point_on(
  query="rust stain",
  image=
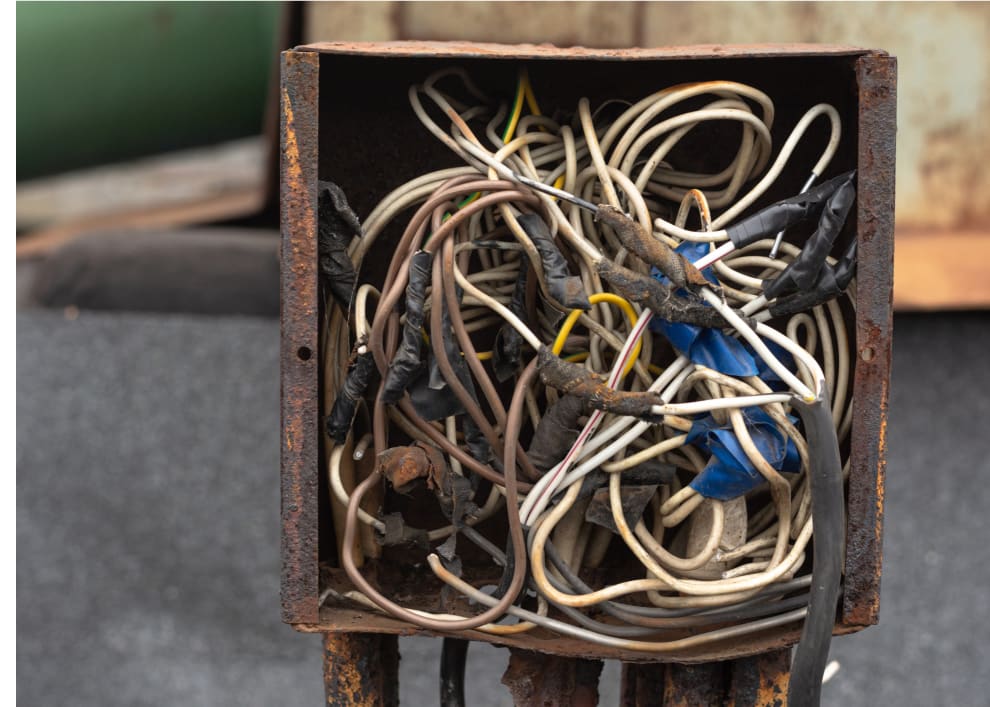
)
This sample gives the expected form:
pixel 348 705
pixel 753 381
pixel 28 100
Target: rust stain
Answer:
pixel 876 77
pixel 538 680
pixel 654 251
pixel 300 433
pixel 694 685
pixel 291 145
pixel 760 681
pixel 953 175
pixel 361 670
pixel 403 465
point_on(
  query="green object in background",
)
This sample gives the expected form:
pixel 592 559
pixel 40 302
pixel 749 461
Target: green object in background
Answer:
pixel 103 82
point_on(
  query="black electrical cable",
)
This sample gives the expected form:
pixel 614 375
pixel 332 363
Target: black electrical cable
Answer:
pixel 453 661
pixel 828 517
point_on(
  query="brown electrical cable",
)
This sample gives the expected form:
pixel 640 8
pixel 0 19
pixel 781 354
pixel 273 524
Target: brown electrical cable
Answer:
pixel 395 278
pixel 515 532
pixel 449 190
pixel 443 284
pixel 392 292
pixel 380 427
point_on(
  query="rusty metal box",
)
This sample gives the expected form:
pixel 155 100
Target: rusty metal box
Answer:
pixel 340 103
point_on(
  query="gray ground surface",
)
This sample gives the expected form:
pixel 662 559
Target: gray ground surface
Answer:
pixel 147 526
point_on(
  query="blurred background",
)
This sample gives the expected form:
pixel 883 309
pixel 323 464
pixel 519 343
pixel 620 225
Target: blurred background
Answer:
pixel 147 296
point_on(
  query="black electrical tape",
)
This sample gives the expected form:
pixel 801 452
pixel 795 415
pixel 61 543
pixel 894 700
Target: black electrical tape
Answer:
pixel 803 272
pixel 345 406
pixel 649 472
pixel 567 289
pixel 434 404
pixel 452 349
pixel 338 224
pixel 476 443
pixel 845 270
pixel 785 213
pixel 828 519
pixel 407 361
pixel 556 432
pixel 428 403
pixel 508 343
pixel 832 281
pixel 397 533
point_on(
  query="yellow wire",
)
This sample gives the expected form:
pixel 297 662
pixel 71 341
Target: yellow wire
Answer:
pixel 516 108
pixel 482 355
pixel 527 87
pixel 510 128
pixel 598 297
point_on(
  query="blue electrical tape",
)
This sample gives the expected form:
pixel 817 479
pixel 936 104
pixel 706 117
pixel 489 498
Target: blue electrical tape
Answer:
pixel 708 347
pixel 729 473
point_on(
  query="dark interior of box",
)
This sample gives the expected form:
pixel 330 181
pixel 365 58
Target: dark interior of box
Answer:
pixel 370 143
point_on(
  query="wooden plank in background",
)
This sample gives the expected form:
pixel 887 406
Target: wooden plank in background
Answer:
pixel 179 189
pixel 941 270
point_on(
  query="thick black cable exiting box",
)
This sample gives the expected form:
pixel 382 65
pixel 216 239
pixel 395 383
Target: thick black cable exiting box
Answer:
pixel 828 516
pixel 453 663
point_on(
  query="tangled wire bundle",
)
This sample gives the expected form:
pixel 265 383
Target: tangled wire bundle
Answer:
pixel 553 343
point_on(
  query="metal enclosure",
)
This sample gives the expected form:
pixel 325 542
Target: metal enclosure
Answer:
pixel 345 115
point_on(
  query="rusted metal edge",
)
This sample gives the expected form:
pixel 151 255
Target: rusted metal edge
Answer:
pixel 486 50
pixel 299 323
pixel 538 680
pixel 344 619
pixel 760 681
pixel 757 681
pixel 361 670
pixel 877 80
